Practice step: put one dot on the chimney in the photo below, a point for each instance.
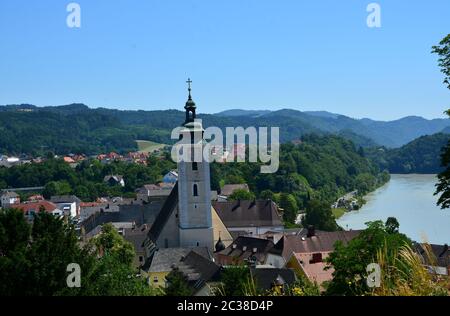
(444, 251)
(311, 231)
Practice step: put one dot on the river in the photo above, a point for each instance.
(410, 199)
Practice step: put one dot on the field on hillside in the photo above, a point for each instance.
(149, 146)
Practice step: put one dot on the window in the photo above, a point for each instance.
(195, 190)
(155, 279)
(141, 258)
(194, 166)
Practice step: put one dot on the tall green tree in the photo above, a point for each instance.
(320, 216)
(443, 186)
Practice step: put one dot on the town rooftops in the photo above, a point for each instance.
(248, 213)
(441, 254)
(245, 248)
(228, 189)
(320, 241)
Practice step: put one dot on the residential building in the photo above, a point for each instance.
(170, 177)
(228, 189)
(9, 199)
(245, 250)
(113, 180)
(252, 217)
(70, 204)
(165, 259)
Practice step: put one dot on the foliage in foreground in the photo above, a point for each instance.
(34, 259)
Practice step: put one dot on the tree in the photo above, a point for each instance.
(241, 194)
(289, 206)
(177, 284)
(392, 225)
(14, 238)
(320, 216)
(443, 186)
(350, 261)
(443, 50)
(234, 281)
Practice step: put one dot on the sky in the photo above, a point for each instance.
(247, 54)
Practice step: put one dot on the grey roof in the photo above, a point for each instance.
(116, 177)
(167, 209)
(10, 194)
(65, 199)
(243, 248)
(165, 259)
(228, 189)
(245, 213)
(441, 254)
(198, 269)
(139, 214)
(266, 278)
(136, 237)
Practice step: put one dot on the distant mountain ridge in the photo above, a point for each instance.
(112, 129)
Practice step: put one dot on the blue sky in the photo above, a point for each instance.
(249, 54)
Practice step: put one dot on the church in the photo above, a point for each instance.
(187, 218)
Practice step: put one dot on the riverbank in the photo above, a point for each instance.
(410, 199)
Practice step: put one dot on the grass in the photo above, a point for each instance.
(149, 146)
(338, 212)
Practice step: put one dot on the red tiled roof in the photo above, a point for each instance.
(36, 206)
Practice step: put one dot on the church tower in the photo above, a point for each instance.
(194, 189)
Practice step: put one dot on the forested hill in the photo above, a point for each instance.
(422, 155)
(77, 128)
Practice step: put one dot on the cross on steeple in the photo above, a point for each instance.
(189, 81)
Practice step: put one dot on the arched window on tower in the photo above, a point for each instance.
(195, 190)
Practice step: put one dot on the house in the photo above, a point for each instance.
(113, 180)
(30, 209)
(136, 214)
(70, 204)
(165, 259)
(154, 191)
(245, 250)
(228, 189)
(136, 236)
(254, 217)
(267, 279)
(9, 199)
(170, 177)
(439, 262)
(307, 253)
(201, 273)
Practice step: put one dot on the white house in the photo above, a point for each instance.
(9, 198)
(171, 177)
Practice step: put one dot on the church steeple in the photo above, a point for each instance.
(190, 105)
